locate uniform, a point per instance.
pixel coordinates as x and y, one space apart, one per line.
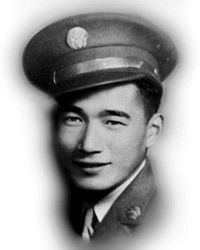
90 51
126 213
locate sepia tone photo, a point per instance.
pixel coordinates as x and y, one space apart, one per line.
100 125
105 72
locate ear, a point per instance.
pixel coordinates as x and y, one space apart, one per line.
154 128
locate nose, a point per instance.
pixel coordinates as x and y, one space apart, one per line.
91 141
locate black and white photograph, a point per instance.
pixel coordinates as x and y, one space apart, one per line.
100 124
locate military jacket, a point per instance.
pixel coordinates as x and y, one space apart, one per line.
127 213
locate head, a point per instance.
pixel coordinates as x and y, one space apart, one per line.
103 134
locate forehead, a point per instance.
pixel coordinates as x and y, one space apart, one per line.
117 97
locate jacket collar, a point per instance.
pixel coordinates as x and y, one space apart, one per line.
130 208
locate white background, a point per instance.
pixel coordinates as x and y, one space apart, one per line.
30 190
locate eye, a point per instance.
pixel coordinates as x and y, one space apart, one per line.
72 120
113 123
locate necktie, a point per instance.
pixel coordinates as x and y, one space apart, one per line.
88 229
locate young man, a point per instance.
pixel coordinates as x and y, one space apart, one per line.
105 72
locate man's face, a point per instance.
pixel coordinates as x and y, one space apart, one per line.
102 137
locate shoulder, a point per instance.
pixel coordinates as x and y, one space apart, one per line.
131 211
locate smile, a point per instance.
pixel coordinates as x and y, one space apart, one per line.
90 167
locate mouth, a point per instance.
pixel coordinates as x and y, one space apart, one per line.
90 167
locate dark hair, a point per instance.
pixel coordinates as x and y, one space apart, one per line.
151 95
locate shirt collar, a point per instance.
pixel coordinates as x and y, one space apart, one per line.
103 206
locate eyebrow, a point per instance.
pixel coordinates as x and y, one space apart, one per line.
104 113
71 108
119 113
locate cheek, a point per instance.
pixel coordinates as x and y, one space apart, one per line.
127 144
68 139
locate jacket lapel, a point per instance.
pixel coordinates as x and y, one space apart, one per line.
129 209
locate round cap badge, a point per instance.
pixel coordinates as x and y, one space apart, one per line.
77 38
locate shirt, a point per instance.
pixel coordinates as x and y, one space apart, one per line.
103 206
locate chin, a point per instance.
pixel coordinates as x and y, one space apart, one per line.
94 184
89 184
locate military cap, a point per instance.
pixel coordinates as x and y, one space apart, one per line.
96 49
